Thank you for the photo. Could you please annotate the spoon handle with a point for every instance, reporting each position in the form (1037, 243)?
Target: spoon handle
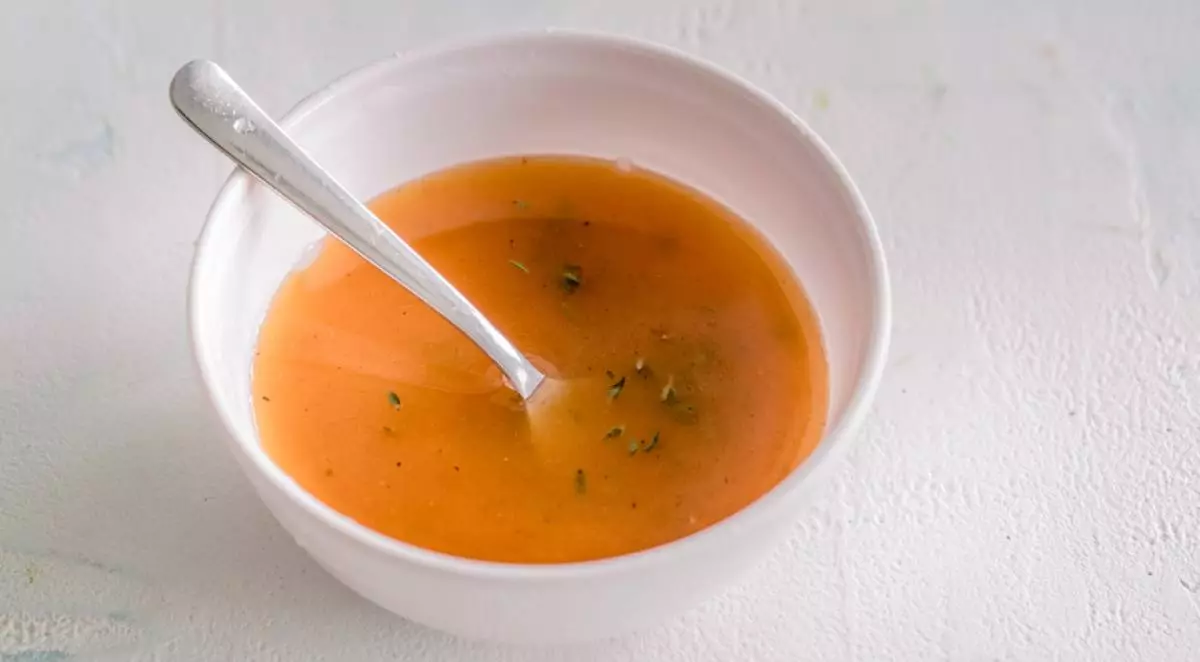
(217, 108)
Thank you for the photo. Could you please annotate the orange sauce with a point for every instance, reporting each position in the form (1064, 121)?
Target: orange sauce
(698, 377)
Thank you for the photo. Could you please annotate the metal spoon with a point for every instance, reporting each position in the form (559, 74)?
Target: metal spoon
(208, 99)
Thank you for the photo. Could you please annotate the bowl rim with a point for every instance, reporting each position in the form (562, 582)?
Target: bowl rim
(834, 443)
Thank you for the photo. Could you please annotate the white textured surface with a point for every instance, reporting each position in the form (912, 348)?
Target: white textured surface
(1028, 487)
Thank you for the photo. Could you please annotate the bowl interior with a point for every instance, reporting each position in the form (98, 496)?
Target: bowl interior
(400, 119)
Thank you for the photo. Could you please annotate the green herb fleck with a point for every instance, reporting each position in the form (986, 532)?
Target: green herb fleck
(580, 482)
(820, 99)
(633, 447)
(521, 204)
(609, 374)
(266, 399)
(668, 392)
(394, 400)
(615, 389)
(519, 265)
(614, 432)
(572, 278)
(653, 442)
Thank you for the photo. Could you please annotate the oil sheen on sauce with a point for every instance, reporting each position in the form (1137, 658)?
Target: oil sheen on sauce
(700, 379)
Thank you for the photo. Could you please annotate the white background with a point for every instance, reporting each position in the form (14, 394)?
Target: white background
(1028, 486)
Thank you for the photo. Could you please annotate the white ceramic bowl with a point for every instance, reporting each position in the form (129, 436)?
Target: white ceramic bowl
(547, 93)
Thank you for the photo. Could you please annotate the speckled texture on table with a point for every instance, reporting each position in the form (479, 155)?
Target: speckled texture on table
(1027, 488)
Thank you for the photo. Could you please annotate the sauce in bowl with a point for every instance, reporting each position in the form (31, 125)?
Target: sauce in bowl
(697, 370)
